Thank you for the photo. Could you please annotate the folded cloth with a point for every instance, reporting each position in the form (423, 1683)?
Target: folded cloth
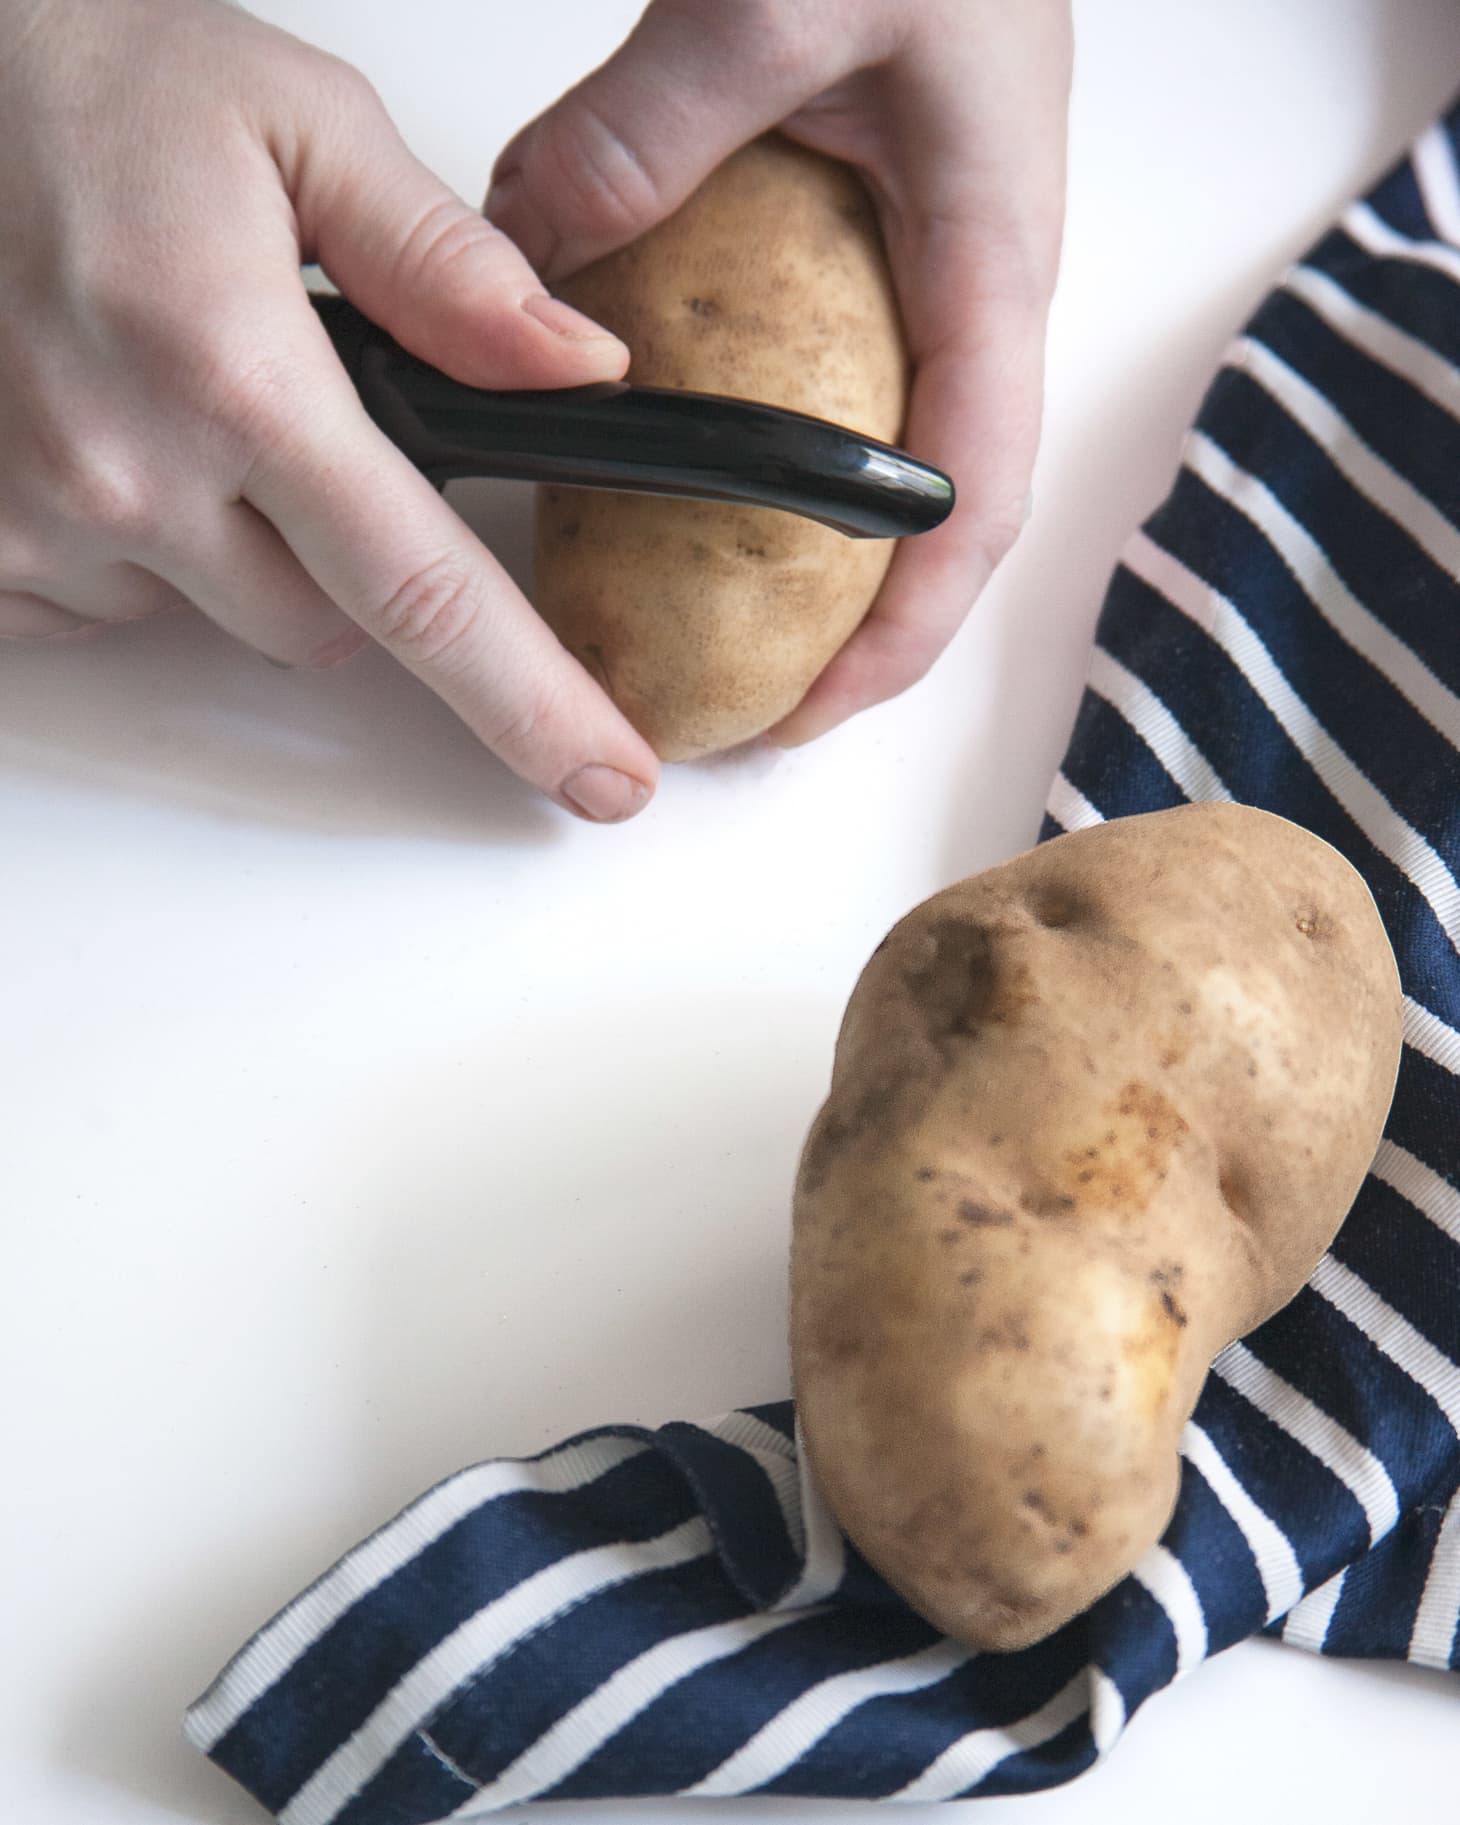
(673, 1612)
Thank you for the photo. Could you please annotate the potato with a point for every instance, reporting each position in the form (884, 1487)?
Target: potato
(707, 621)
(1094, 1114)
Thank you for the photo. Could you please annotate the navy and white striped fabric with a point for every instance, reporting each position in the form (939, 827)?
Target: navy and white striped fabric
(673, 1612)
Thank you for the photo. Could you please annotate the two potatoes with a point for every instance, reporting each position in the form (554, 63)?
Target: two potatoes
(1095, 1113)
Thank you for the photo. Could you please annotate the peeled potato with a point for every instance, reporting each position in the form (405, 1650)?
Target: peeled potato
(1094, 1114)
(706, 622)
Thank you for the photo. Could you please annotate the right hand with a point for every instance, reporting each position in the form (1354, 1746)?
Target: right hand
(176, 427)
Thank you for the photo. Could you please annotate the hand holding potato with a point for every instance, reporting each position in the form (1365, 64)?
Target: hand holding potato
(176, 428)
(1094, 1114)
(707, 621)
(953, 113)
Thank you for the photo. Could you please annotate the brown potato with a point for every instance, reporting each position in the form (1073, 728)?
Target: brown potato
(1094, 1114)
(706, 621)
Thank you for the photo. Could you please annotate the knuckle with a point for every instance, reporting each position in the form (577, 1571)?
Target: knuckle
(106, 491)
(445, 234)
(782, 42)
(429, 613)
(531, 721)
(245, 390)
(582, 161)
(344, 85)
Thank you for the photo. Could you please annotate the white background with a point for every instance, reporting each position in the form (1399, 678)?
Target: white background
(364, 1117)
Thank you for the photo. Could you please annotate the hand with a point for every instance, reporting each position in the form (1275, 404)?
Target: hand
(176, 426)
(954, 111)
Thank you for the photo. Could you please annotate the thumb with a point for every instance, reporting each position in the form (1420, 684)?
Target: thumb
(415, 259)
(625, 147)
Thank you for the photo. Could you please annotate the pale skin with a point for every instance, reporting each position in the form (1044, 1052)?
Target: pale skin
(179, 434)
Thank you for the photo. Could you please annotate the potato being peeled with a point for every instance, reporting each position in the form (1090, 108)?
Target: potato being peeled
(707, 621)
(1094, 1114)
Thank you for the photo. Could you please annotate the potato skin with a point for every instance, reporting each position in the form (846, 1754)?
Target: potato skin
(707, 621)
(1094, 1114)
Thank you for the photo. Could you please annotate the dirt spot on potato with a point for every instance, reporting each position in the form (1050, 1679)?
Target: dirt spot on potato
(951, 983)
(980, 1216)
(1312, 922)
(1010, 1333)
(1044, 1201)
(958, 985)
(840, 1128)
(1121, 1166)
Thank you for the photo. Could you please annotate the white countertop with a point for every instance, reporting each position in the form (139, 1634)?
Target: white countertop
(365, 1117)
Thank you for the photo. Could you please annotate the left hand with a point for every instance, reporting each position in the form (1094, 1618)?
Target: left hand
(954, 112)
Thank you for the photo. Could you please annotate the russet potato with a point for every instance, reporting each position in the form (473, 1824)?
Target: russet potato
(1094, 1114)
(707, 621)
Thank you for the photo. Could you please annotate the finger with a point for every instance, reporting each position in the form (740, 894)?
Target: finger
(387, 549)
(974, 412)
(625, 147)
(99, 597)
(117, 592)
(238, 571)
(24, 616)
(447, 284)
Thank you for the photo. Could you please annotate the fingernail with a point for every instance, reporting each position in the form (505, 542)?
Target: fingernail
(335, 652)
(564, 321)
(604, 794)
(504, 192)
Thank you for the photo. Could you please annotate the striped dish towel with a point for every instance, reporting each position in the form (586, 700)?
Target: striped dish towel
(672, 1611)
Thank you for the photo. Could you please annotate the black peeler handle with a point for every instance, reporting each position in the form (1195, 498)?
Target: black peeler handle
(642, 440)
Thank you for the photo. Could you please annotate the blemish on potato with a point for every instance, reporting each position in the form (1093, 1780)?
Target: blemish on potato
(1010, 1333)
(1055, 907)
(1314, 923)
(1126, 1172)
(1042, 1201)
(1172, 1309)
(951, 983)
(980, 1216)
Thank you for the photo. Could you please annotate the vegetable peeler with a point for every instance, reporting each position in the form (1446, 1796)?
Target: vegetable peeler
(640, 440)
